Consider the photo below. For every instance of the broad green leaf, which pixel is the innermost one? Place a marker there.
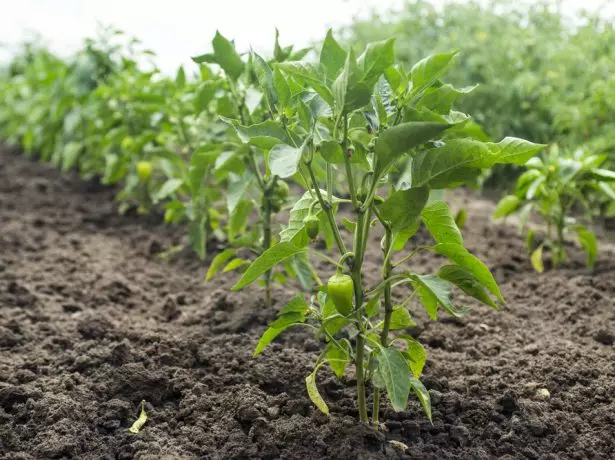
(442, 98)
(266, 261)
(180, 77)
(603, 174)
(588, 242)
(439, 221)
(434, 291)
(378, 57)
(296, 305)
(416, 355)
(536, 259)
(168, 188)
(204, 95)
(284, 160)
(282, 323)
(339, 356)
(529, 239)
(281, 88)
(506, 206)
(307, 73)
(350, 92)
(332, 56)
(265, 80)
(310, 382)
(226, 56)
(239, 218)
(404, 206)
(218, 261)
(396, 141)
(70, 155)
(263, 135)
(607, 190)
(512, 150)
(428, 70)
(302, 266)
(395, 372)
(372, 307)
(534, 187)
(331, 152)
(401, 319)
(423, 395)
(465, 281)
(402, 237)
(295, 230)
(462, 257)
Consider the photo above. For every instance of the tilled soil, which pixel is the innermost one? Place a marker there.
(92, 321)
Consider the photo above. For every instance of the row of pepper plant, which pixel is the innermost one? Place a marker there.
(370, 143)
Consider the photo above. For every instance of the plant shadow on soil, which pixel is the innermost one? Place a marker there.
(92, 322)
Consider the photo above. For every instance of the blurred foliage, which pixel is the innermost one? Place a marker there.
(541, 76)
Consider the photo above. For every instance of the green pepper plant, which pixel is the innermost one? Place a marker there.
(246, 102)
(367, 116)
(562, 188)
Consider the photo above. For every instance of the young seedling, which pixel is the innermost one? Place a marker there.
(556, 186)
(367, 116)
(139, 422)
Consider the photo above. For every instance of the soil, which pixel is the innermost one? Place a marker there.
(92, 321)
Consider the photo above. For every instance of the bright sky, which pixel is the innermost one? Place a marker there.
(178, 29)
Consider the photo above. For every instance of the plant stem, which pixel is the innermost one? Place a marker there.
(388, 311)
(359, 250)
(349, 176)
(327, 208)
(267, 244)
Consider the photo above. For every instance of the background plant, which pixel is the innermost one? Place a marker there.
(559, 186)
(367, 116)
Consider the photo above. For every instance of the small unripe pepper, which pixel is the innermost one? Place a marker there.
(312, 226)
(341, 290)
(144, 170)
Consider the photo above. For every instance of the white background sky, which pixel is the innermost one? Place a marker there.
(178, 29)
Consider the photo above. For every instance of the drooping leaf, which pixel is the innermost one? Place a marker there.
(462, 257)
(423, 395)
(465, 281)
(434, 291)
(416, 355)
(395, 372)
(310, 382)
(536, 260)
(266, 261)
(439, 221)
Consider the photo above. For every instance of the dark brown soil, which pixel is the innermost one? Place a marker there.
(92, 321)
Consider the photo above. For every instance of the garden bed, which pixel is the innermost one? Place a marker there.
(92, 321)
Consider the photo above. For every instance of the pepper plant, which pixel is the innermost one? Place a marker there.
(367, 116)
(247, 103)
(563, 189)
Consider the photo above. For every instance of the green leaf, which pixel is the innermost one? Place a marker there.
(226, 56)
(462, 257)
(295, 231)
(281, 88)
(402, 237)
(512, 150)
(404, 206)
(263, 135)
(506, 206)
(434, 291)
(603, 174)
(218, 261)
(533, 188)
(350, 92)
(198, 237)
(401, 319)
(428, 70)
(439, 221)
(338, 356)
(266, 261)
(333, 322)
(461, 218)
(310, 382)
(378, 57)
(536, 259)
(588, 242)
(332, 56)
(235, 264)
(331, 152)
(296, 305)
(276, 328)
(465, 281)
(167, 189)
(180, 77)
(308, 74)
(204, 95)
(396, 141)
(415, 354)
(239, 218)
(372, 307)
(607, 190)
(284, 160)
(442, 98)
(423, 395)
(395, 372)
(265, 80)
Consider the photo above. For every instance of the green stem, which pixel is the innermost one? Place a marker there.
(388, 312)
(327, 208)
(349, 175)
(267, 245)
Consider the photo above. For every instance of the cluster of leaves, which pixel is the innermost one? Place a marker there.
(362, 119)
(554, 186)
(541, 76)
